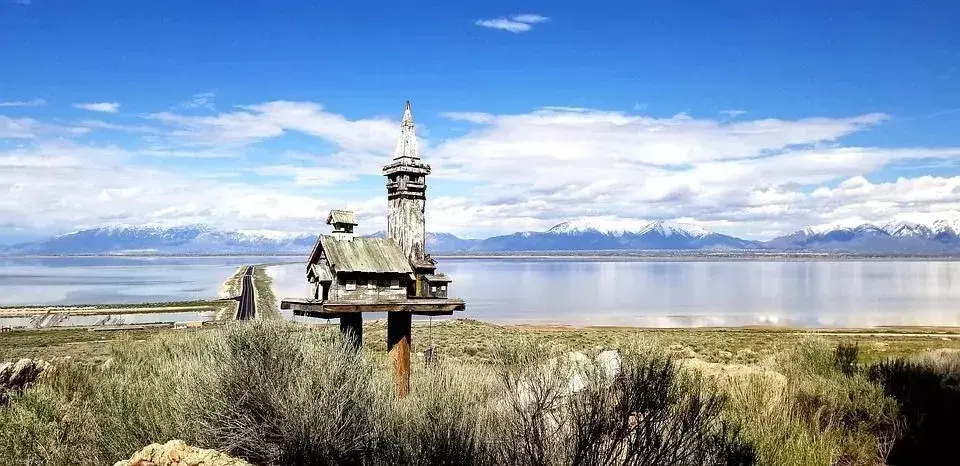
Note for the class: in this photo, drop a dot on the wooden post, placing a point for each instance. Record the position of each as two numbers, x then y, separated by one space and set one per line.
351 326
398 345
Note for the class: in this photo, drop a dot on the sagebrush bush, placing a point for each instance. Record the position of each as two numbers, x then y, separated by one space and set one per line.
928 391
572 411
826 412
845 357
281 393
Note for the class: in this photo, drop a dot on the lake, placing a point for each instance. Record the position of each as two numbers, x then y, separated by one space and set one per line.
115 280
579 291
810 293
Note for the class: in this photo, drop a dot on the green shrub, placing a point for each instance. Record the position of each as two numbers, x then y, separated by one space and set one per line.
572 411
279 393
928 392
40 427
845 357
823 413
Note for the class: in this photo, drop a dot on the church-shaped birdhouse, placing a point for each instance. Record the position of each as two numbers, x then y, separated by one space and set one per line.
350 274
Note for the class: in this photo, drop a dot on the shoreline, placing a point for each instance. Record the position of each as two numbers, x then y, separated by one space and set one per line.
895 331
94 310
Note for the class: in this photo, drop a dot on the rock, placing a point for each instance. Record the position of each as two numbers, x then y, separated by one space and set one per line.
681 351
609 360
5 369
725 354
178 453
20 375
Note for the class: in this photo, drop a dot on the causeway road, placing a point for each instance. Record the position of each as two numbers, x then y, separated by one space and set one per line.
247 310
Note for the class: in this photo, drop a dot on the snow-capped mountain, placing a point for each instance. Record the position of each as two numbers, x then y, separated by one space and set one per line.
901 229
894 237
939 236
590 235
625 227
189 239
441 242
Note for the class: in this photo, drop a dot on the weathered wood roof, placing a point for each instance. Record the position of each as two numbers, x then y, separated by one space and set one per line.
437 278
341 216
377 255
322 272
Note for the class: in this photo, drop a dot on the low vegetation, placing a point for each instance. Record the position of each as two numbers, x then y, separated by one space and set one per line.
232 286
274 392
266 300
279 393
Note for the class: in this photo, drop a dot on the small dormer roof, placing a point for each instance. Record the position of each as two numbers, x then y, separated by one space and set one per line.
341 216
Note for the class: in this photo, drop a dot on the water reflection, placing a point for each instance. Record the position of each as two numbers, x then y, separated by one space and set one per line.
115 280
696 294
96 320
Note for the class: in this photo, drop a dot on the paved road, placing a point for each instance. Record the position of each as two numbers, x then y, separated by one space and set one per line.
247 309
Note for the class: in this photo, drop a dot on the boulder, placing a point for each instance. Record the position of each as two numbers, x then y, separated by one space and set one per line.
5 369
178 453
16 376
609 360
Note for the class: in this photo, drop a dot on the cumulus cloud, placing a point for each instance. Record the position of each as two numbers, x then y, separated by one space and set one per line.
748 177
66 185
508 172
105 107
515 24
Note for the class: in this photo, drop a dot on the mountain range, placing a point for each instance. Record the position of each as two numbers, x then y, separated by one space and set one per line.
939 237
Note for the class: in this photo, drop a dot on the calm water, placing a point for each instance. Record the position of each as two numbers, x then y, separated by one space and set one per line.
571 291
685 294
114 280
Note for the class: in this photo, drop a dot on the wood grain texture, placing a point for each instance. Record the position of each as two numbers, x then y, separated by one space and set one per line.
398 345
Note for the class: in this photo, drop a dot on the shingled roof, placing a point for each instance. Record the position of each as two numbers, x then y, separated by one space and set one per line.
341 216
360 254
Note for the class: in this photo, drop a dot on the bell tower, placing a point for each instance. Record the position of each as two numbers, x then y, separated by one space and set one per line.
407 192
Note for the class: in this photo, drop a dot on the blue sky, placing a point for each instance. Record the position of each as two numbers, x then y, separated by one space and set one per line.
750 118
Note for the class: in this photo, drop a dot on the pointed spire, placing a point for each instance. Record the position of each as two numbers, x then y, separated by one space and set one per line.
407 146
407 115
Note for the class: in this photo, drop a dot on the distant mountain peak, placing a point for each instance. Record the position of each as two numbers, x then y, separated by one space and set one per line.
604 225
669 228
894 236
619 227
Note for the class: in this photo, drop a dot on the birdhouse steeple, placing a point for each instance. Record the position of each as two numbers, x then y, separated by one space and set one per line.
407 192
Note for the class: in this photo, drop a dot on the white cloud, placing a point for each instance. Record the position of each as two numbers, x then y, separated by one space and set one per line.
748 177
509 172
255 123
515 24
733 113
61 186
29 128
106 107
24 103
17 128
472 117
200 100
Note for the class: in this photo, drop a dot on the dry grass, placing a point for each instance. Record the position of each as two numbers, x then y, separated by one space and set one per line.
797 398
266 301
279 393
